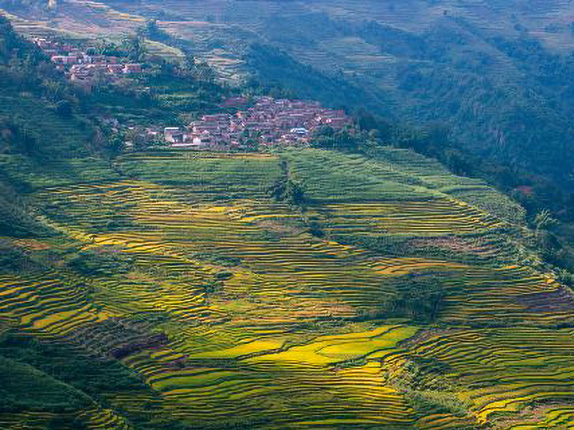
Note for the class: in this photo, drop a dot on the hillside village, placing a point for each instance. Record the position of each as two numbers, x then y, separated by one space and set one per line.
82 67
268 122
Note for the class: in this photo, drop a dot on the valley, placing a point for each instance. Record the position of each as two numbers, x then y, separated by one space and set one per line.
491 73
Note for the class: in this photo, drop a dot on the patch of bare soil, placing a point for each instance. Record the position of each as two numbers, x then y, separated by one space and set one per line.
31 244
280 228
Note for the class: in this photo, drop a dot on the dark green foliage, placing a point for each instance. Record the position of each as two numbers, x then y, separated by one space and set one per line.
566 277
428 390
15 217
222 276
176 91
440 402
105 47
274 68
36 104
289 191
433 141
64 108
14 260
420 297
343 140
293 193
286 189
152 31
492 105
24 387
316 229
100 261
66 379
14 140
531 118
134 46
65 423
217 259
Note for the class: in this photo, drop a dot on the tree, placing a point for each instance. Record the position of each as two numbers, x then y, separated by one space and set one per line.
189 63
64 108
294 193
134 45
137 137
286 189
65 422
544 220
151 27
107 48
342 140
115 146
420 297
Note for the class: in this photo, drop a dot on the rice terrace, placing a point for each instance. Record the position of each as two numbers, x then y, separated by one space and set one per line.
271 215
238 310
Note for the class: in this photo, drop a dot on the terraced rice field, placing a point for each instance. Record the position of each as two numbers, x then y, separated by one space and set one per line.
237 314
512 369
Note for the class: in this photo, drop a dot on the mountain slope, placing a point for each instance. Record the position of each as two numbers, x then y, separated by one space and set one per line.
496 73
295 289
378 295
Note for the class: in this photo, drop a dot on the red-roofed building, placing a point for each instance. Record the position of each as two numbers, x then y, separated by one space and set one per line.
130 69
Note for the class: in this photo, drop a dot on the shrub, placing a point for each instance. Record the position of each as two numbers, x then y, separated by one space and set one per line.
100 261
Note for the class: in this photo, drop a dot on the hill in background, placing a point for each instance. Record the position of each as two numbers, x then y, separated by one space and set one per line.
496 74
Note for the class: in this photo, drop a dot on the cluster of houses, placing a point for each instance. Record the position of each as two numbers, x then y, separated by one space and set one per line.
81 67
269 122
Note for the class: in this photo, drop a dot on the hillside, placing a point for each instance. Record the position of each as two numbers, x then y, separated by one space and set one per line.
297 288
496 74
392 295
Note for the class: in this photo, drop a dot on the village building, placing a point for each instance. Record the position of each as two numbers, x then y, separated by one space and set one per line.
115 69
132 68
173 135
80 67
268 122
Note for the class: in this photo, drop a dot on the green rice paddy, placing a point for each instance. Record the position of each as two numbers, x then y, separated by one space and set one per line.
236 314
